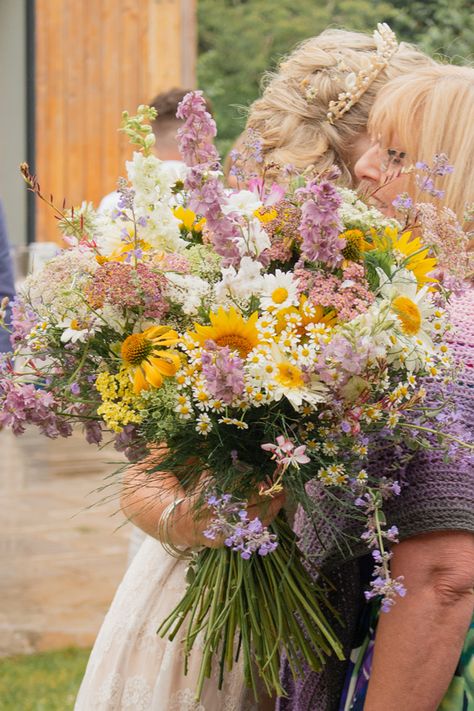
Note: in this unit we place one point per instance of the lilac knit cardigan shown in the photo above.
(436, 496)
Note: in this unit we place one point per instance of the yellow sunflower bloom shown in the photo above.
(147, 357)
(416, 255)
(229, 328)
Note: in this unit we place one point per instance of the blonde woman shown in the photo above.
(130, 666)
(419, 656)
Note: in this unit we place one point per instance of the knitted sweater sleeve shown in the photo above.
(438, 494)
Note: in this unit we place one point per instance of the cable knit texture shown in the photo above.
(436, 496)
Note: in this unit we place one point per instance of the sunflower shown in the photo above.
(143, 354)
(228, 328)
(415, 256)
(305, 314)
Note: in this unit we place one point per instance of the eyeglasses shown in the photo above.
(392, 161)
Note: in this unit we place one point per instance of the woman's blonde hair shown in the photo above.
(291, 115)
(429, 112)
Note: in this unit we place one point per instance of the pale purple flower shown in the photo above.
(403, 202)
(196, 135)
(22, 404)
(223, 372)
(240, 534)
(320, 224)
(206, 197)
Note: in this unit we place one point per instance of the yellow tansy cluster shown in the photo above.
(120, 405)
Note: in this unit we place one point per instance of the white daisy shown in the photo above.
(279, 291)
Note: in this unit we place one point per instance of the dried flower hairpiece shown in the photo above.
(357, 84)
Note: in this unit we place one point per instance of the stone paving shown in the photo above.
(62, 552)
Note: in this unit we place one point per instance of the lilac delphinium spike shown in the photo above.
(320, 224)
(206, 196)
(223, 372)
(196, 135)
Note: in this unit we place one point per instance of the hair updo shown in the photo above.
(291, 115)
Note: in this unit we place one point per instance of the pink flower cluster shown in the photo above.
(127, 286)
(349, 296)
(22, 404)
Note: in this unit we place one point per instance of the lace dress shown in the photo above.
(131, 668)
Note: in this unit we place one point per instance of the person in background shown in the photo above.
(164, 127)
(7, 286)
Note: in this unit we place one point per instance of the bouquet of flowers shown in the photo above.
(257, 338)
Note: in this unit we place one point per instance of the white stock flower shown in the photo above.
(243, 202)
(239, 285)
(254, 239)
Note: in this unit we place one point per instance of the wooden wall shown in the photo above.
(95, 58)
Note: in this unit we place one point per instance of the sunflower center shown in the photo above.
(289, 375)
(408, 313)
(136, 348)
(235, 343)
(279, 295)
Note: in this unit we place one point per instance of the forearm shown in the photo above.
(417, 648)
(419, 642)
(146, 495)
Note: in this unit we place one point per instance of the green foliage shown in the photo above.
(241, 39)
(41, 682)
(443, 28)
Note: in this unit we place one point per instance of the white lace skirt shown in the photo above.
(131, 668)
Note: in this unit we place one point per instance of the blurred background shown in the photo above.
(68, 69)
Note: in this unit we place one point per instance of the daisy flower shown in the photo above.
(279, 291)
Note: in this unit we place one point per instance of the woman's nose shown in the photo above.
(368, 167)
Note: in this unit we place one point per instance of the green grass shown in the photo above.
(42, 682)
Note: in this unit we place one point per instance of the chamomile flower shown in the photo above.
(279, 291)
(240, 424)
(203, 424)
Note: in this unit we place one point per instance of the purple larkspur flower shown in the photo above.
(223, 372)
(22, 404)
(320, 224)
(196, 136)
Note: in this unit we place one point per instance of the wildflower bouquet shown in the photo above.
(263, 335)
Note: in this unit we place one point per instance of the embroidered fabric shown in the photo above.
(131, 668)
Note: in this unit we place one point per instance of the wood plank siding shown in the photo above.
(94, 58)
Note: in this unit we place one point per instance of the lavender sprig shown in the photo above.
(375, 535)
(241, 534)
(439, 168)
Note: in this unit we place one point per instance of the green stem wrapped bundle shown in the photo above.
(269, 603)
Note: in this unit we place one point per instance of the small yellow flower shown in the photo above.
(188, 219)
